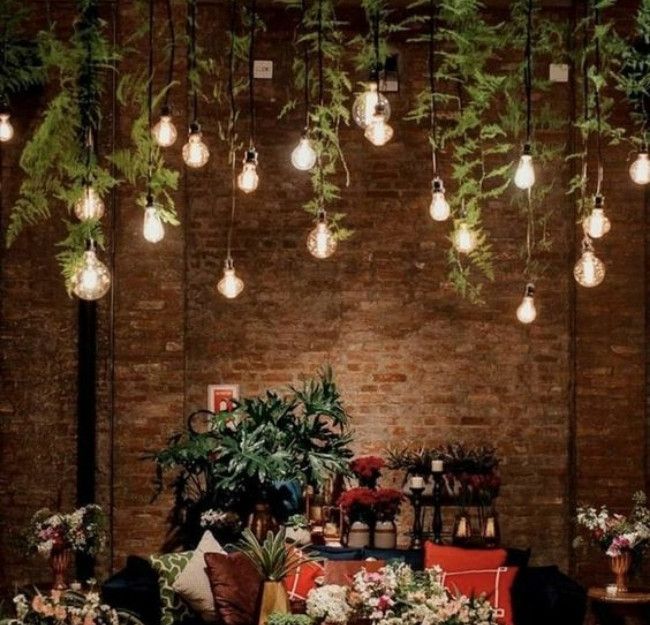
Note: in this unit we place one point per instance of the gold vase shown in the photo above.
(262, 521)
(274, 599)
(621, 568)
(60, 563)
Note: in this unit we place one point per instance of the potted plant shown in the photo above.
(386, 507)
(358, 506)
(297, 529)
(367, 470)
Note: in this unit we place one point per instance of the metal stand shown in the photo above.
(436, 526)
(416, 533)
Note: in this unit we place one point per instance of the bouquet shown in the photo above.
(358, 504)
(616, 534)
(387, 503)
(367, 469)
(81, 531)
(328, 604)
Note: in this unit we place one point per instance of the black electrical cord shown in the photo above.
(376, 46)
(321, 208)
(528, 69)
(150, 98)
(597, 105)
(192, 58)
(432, 88)
(251, 70)
(172, 52)
(233, 121)
(306, 63)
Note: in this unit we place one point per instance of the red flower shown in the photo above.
(367, 466)
(360, 497)
(387, 502)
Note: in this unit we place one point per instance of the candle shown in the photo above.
(437, 466)
(417, 481)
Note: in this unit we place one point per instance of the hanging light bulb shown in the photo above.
(464, 238)
(640, 169)
(596, 224)
(195, 152)
(89, 205)
(92, 280)
(439, 209)
(321, 243)
(526, 311)
(378, 132)
(230, 285)
(164, 132)
(303, 156)
(525, 174)
(6, 129)
(248, 180)
(364, 105)
(153, 228)
(589, 271)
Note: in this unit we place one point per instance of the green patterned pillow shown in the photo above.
(169, 566)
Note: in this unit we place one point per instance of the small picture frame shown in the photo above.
(222, 396)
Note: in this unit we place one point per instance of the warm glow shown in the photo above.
(92, 280)
(153, 228)
(321, 243)
(589, 271)
(640, 169)
(89, 205)
(439, 209)
(303, 156)
(596, 224)
(6, 129)
(525, 174)
(164, 132)
(230, 285)
(248, 180)
(195, 152)
(464, 239)
(379, 132)
(526, 311)
(365, 103)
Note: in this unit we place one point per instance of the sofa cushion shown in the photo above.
(169, 566)
(452, 559)
(301, 580)
(342, 572)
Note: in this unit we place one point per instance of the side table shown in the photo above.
(627, 607)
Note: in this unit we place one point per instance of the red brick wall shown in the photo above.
(414, 361)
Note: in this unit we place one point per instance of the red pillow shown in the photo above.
(300, 581)
(342, 572)
(495, 584)
(452, 559)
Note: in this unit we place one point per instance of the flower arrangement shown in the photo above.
(81, 531)
(367, 470)
(220, 519)
(387, 503)
(329, 604)
(358, 504)
(616, 534)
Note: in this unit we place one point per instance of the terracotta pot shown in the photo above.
(274, 599)
(359, 535)
(262, 521)
(621, 568)
(385, 536)
(60, 563)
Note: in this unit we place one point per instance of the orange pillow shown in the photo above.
(302, 579)
(342, 572)
(452, 559)
(495, 584)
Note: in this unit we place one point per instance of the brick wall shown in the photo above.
(566, 408)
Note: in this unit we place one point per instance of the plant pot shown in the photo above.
(621, 568)
(60, 563)
(359, 535)
(299, 535)
(274, 599)
(385, 536)
(262, 521)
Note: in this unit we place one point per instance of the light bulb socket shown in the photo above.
(587, 244)
(527, 150)
(380, 109)
(437, 185)
(165, 110)
(305, 133)
(5, 110)
(374, 73)
(150, 202)
(321, 216)
(599, 201)
(228, 263)
(250, 156)
(90, 245)
(195, 128)
(529, 290)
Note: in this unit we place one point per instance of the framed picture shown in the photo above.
(221, 396)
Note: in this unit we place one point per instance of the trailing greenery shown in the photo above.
(279, 618)
(327, 113)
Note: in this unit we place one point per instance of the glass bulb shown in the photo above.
(89, 205)
(525, 174)
(365, 103)
(464, 239)
(92, 280)
(640, 169)
(378, 132)
(596, 224)
(248, 180)
(526, 311)
(589, 271)
(164, 132)
(303, 156)
(195, 152)
(321, 243)
(6, 129)
(439, 209)
(153, 228)
(230, 285)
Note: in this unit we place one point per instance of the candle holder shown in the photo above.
(416, 533)
(436, 526)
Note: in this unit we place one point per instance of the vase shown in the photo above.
(262, 521)
(621, 568)
(359, 535)
(299, 535)
(462, 528)
(60, 563)
(274, 599)
(385, 536)
(490, 531)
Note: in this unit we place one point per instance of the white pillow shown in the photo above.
(193, 584)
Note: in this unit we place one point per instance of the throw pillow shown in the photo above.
(451, 559)
(495, 584)
(193, 584)
(169, 566)
(236, 586)
(302, 579)
(341, 572)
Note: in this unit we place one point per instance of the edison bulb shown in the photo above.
(6, 128)
(439, 208)
(526, 311)
(92, 280)
(248, 180)
(378, 132)
(464, 239)
(164, 132)
(640, 169)
(230, 285)
(321, 243)
(596, 224)
(525, 174)
(589, 271)
(153, 228)
(89, 205)
(195, 152)
(365, 103)
(303, 156)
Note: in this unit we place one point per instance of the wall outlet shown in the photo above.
(558, 72)
(263, 69)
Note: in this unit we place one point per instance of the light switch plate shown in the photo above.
(558, 72)
(263, 69)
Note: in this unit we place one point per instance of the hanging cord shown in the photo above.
(251, 71)
(150, 99)
(528, 69)
(233, 121)
(530, 232)
(321, 99)
(306, 62)
(432, 89)
(375, 20)
(599, 153)
(192, 59)
(585, 103)
(172, 52)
